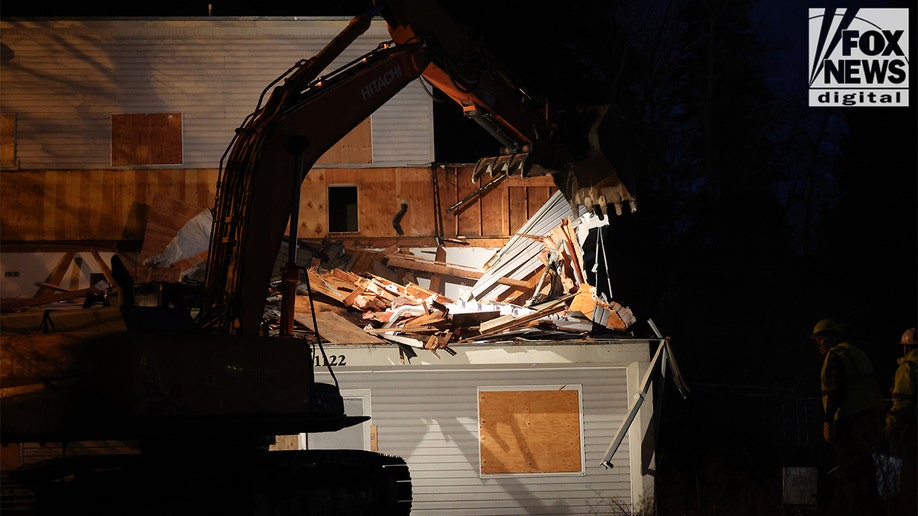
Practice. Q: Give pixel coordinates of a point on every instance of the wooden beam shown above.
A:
(436, 283)
(420, 264)
(507, 322)
(57, 274)
(17, 303)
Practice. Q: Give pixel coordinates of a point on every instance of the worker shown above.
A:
(853, 418)
(901, 430)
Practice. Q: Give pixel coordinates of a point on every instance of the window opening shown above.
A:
(342, 209)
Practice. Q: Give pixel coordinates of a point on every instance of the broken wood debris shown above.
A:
(535, 287)
(561, 304)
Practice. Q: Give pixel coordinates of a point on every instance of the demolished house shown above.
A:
(526, 378)
(507, 384)
(535, 287)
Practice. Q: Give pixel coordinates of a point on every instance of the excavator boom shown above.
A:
(535, 138)
(269, 158)
(305, 115)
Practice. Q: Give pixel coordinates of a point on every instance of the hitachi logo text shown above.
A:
(380, 82)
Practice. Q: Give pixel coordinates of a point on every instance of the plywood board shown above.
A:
(147, 139)
(416, 187)
(518, 206)
(468, 215)
(377, 203)
(355, 147)
(314, 205)
(7, 139)
(447, 188)
(495, 212)
(529, 431)
(336, 329)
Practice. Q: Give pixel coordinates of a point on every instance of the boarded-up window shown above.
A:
(147, 139)
(8, 140)
(354, 149)
(530, 430)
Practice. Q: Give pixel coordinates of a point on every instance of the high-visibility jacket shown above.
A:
(849, 384)
(903, 410)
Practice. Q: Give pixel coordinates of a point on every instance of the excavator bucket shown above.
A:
(535, 139)
(587, 179)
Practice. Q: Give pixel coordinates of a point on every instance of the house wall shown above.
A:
(67, 85)
(46, 214)
(64, 80)
(426, 411)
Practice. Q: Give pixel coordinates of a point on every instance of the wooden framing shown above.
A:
(115, 206)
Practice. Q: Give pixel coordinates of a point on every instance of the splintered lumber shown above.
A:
(363, 259)
(400, 339)
(561, 241)
(506, 322)
(583, 302)
(335, 329)
(57, 274)
(578, 251)
(410, 261)
(336, 285)
(613, 315)
(436, 282)
(434, 318)
(516, 260)
(368, 292)
(12, 304)
(438, 341)
(473, 318)
(417, 291)
(404, 329)
(365, 301)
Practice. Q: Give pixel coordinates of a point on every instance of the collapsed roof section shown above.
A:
(534, 287)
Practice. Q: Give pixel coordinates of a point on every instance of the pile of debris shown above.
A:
(414, 316)
(534, 287)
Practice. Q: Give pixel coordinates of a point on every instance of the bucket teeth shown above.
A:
(484, 166)
(508, 165)
(601, 200)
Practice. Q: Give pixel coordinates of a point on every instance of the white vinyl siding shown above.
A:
(65, 78)
(429, 416)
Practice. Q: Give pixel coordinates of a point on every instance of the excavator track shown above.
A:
(278, 483)
(15, 498)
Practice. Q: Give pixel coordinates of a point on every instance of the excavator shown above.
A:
(200, 388)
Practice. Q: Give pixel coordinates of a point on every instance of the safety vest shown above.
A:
(861, 390)
(903, 410)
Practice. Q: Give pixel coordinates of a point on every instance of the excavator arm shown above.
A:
(535, 139)
(303, 117)
(306, 114)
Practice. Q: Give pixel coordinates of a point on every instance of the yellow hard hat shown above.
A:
(826, 326)
(908, 338)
